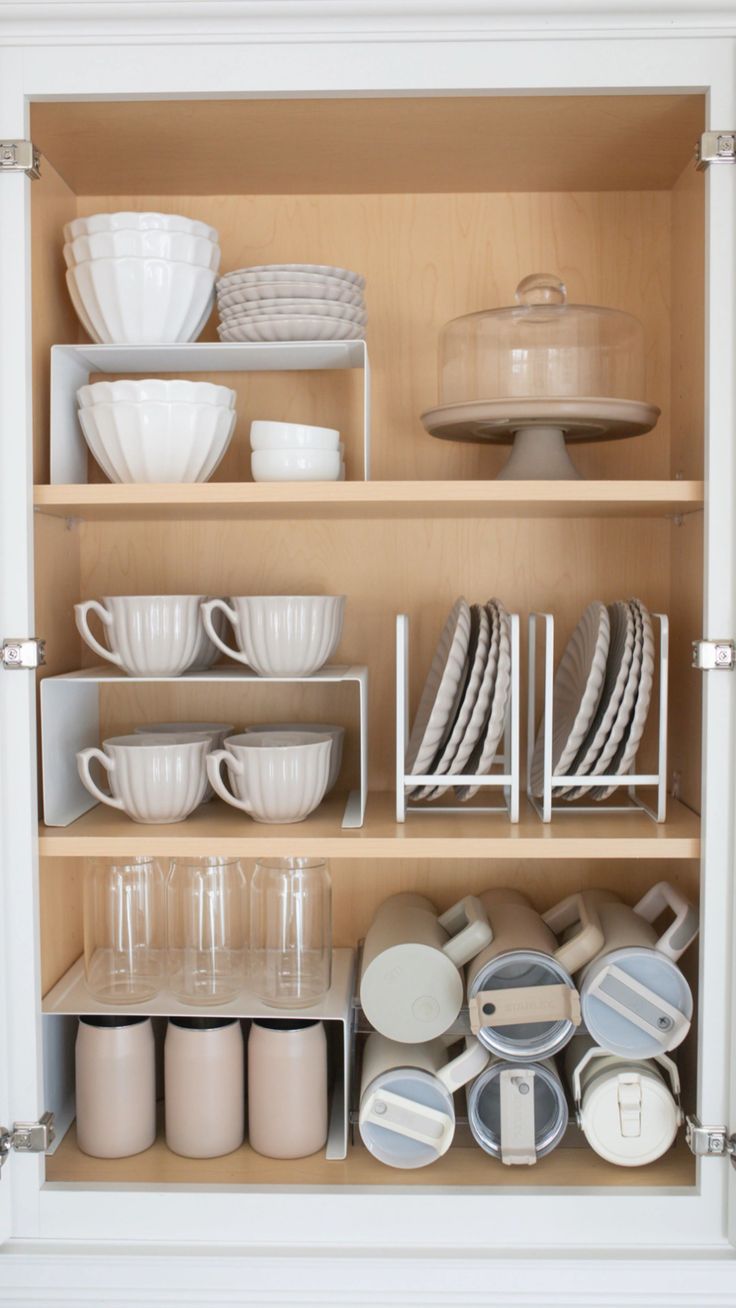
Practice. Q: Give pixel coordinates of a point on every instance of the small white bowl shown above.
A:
(150, 442)
(141, 222)
(292, 436)
(157, 390)
(295, 465)
(142, 301)
(180, 246)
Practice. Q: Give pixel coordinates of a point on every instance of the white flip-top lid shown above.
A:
(407, 1118)
(629, 1117)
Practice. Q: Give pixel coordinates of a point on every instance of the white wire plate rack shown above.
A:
(505, 776)
(633, 781)
(72, 365)
(70, 721)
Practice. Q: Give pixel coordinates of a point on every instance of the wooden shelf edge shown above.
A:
(100, 501)
(217, 828)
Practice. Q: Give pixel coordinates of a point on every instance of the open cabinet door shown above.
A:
(20, 1047)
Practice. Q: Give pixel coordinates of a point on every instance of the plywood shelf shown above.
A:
(576, 1167)
(101, 502)
(218, 829)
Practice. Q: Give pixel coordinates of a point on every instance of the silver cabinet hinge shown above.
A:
(709, 1141)
(20, 157)
(23, 652)
(27, 1137)
(714, 655)
(716, 147)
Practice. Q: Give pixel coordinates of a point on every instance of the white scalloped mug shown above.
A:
(279, 635)
(149, 635)
(152, 779)
(276, 776)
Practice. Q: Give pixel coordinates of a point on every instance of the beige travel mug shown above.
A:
(204, 1076)
(522, 1000)
(627, 1110)
(287, 1088)
(411, 986)
(635, 1001)
(407, 1112)
(115, 1085)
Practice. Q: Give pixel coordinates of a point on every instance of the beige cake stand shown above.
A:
(540, 429)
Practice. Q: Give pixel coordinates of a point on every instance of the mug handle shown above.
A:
(80, 614)
(679, 934)
(207, 608)
(587, 941)
(469, 927)
(466, 1066)
(84, 758)
(214, 763)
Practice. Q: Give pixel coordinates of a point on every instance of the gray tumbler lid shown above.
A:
(636, 1003)
(517, 970)
(411, 1138)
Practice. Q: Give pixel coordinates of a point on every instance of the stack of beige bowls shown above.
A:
(141, 278)
(291, 302)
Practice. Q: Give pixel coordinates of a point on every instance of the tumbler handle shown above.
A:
(679, 934)
(466, 1066)
(467, 923)
(587, 941)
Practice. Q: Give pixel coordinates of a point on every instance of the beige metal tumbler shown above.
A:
(287, 1088)
(407, 1113)
(635, 1000)
(204, 1076)
(522, 1000)
(115, 1086)
(411, 985)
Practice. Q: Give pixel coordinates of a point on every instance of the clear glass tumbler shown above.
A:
(124, 930)
(206, 905)
(291, 931)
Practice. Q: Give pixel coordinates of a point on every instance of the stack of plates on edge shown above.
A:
(600, 698)
(462, 711)
(291, 302)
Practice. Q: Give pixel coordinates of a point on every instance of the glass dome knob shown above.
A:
(541, 288)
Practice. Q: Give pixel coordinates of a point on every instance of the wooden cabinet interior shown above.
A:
(473, 194)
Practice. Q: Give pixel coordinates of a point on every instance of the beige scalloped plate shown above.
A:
(625, 756)
(481, 759)
(442, 690)
(620, 655)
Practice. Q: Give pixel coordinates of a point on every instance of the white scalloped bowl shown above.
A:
(142, 301)
(140, 222)
(295, 465)
(156, 390)
(182, 247)
(155, 442)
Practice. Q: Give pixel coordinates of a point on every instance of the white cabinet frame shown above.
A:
(250, 50)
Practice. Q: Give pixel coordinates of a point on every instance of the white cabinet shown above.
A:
(444, 155)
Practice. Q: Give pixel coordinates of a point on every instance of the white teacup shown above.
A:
(277, 776)
(215, 732)
(314, 728)
(149, 635)
(153, 779)
(279, 635)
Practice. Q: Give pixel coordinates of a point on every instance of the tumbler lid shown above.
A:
(526, 970)
(629, 1117)
(111, 1019)
(411, 992)
(202, 1023)
(517, 1130)
(407, 1118)
(636, 1003)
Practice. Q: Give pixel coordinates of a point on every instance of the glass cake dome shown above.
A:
(538, 373)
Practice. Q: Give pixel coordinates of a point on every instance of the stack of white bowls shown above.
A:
(291, 451)
(155, 430)
(291, 302)
(141, 278)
